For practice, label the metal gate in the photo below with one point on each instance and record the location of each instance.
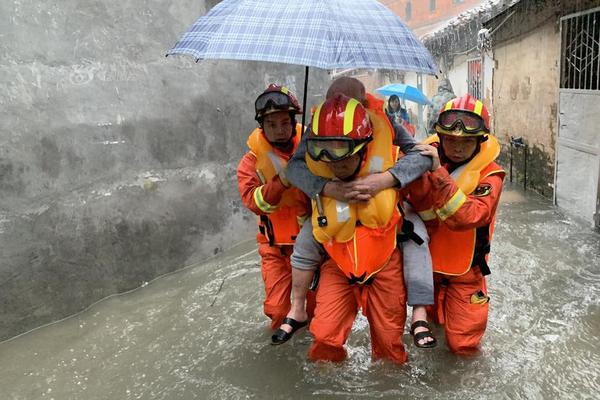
(474, 78)
(577, 172)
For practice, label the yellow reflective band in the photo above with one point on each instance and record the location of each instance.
(261, 203)
(452, 205)
(284, 90)
(349, 115)
(315, 121)
(427, 215)
(478, 107)
(448, 105)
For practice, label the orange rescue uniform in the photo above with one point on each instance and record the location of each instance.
(280, 211)
(460, 225)
(365, 269)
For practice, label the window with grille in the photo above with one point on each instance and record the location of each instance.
(580, 67)
(474, 78)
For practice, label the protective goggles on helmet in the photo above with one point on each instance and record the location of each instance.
(451, 120)
(275, 100)
(334, 149)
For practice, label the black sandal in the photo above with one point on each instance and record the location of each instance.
(282, 336)
(422, 335)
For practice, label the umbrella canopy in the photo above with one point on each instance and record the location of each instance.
(405, 92)
(317, 33)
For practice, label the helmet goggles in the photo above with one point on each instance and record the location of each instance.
(329, 149)
(273, 100)
(451, 120)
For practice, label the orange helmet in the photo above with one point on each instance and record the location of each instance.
(340, 128)
(275, 98)
(463, 116)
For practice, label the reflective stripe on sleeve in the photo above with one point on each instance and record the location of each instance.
(452, 206)
(261, 203)
(427, 215)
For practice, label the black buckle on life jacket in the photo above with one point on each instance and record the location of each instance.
(407, 232)
(267, 229)
(315, 280)
(482, 248)
(359, 279)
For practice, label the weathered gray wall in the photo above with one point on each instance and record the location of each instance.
(116, 163)
(525, 95)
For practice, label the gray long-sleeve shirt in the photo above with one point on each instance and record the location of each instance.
(406, 169)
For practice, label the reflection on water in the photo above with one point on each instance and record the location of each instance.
(200, 334)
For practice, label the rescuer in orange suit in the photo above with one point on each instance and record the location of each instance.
(459, 205)
(280, 208)
(364, 271)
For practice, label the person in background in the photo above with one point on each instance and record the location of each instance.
(395, 112)
(443, 95)
(398, 115)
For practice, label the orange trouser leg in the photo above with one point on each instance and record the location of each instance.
(385, 309)
(464, 321)
(277, 277)
(334, 315)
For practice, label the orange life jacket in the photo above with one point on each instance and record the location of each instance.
(360, 238)
(282, 225)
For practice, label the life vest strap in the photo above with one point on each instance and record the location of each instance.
(361, 279)
(267, 229)
(407, 232)
(315, 280)
(482, 249)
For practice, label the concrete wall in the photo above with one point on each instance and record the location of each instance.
(116, 164)
(525, 95)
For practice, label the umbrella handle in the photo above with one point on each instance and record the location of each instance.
(304, 99)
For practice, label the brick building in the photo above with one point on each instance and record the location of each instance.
(424, 16)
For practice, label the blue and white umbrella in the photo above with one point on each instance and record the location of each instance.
(317, 33)
(325, 34)
(405, 92)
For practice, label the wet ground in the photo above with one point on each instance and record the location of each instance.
(200, 334)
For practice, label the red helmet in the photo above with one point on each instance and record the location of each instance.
(463, 116)
(340, 128)
(274, 99)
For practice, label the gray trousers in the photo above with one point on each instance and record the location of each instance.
(418, 274)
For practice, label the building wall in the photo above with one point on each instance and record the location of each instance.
(422, 15)
(525, 95)
(117, 164)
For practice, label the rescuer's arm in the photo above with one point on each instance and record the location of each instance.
(258, 197)
(460, 211)
(299, 175)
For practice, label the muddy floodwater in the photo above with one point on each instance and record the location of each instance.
(200, 334)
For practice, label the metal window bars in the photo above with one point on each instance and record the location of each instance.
(580, 57)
